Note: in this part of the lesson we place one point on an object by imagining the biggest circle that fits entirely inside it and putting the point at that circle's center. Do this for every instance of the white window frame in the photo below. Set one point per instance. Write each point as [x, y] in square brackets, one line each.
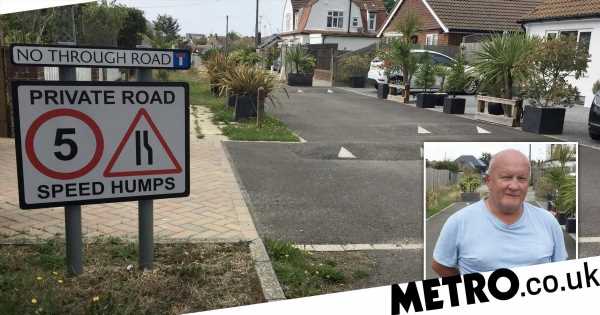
[579, 31]
[372, 23]
[355, 21]
[431, 39]
[335, 19]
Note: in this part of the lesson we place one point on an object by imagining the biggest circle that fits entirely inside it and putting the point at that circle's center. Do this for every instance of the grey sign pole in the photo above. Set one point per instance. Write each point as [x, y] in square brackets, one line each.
[145, 207]
[72, 213]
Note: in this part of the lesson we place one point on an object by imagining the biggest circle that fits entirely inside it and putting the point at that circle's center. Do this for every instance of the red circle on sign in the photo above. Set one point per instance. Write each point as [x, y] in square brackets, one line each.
[70, 113]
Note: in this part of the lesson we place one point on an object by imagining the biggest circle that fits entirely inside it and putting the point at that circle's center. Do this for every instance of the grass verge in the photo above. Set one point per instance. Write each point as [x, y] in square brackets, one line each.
[186, 278]
[272, 129]
[441, 198]
[303, 273]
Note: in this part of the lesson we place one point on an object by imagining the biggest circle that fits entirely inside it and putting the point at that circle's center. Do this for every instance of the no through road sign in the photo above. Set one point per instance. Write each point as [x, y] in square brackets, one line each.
[85, 142]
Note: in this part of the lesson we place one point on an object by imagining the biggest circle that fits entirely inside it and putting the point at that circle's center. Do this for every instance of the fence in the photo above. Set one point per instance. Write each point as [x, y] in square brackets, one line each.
[435, 179]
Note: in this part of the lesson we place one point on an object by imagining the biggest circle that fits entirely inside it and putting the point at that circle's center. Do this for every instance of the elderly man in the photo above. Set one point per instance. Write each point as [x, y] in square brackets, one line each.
[501, 231]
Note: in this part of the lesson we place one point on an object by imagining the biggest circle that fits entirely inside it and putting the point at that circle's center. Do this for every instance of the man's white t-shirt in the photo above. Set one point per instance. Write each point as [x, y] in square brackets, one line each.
[475, 240]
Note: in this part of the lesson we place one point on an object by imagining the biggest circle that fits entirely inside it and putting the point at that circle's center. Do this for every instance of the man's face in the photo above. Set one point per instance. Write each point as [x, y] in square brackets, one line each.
[508, 182]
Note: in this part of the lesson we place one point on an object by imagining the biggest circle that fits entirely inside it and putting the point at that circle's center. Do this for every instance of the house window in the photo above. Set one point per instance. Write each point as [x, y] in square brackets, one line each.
[431, 40]
[335, 19]
[354, 22]
[584, 40]
[582, 37]
[551, 35]
[372, 21]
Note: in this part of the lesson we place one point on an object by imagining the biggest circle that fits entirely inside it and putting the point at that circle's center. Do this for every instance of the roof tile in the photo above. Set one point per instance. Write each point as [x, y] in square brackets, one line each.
[553, 9]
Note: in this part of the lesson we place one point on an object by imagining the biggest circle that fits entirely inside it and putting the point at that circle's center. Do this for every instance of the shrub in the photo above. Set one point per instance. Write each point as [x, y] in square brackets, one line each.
[245, 56]
[245, 80]
[552, 61]
[355, 66]
[425, 75]
[299, 60]
[469, 182]
[565, 201]
[457, 79]
[217, 65]
[445, 165]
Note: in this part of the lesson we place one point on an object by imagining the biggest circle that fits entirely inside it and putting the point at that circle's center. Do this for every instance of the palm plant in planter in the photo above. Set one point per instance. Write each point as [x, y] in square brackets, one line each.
[301, 65]
[217, 64]
[547, 88]
[565, 202]
[457, 80]
[468, 186]
[425, 77]
[244, 81]
[355, 68]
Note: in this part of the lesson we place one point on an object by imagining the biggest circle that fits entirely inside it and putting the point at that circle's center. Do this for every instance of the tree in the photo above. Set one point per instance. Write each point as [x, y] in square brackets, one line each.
[101, 23]
[486, 157]
[389, 5]
[397, 55]
[233, 36]
[501, 60]
[425, 75]
[551, 63]
[134, 26]
[167, 26]
[457, 79]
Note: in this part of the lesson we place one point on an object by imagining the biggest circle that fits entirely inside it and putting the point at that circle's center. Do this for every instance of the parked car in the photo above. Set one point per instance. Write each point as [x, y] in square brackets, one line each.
[378, 76]
[594, 118]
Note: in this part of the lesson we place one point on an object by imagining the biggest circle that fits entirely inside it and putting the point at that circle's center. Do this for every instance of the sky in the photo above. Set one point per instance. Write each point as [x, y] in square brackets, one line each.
[439, 151]
[208, 16]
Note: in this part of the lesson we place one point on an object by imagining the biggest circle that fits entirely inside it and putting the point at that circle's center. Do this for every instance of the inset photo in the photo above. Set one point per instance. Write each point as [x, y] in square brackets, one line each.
[491, 205]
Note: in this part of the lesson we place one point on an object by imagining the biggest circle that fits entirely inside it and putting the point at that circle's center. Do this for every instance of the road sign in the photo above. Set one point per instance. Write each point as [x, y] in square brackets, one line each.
[86, 142]
[82, 56]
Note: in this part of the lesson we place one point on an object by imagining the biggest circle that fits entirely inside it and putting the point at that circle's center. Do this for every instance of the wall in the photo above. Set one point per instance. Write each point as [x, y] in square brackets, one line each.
[318, 15]
[429, 23]
[350, 43]
[584, 84]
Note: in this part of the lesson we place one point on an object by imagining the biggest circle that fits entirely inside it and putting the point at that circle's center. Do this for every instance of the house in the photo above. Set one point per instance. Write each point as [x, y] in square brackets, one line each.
[469, 162]
[446, 22]
[351, 24]
[580, 18]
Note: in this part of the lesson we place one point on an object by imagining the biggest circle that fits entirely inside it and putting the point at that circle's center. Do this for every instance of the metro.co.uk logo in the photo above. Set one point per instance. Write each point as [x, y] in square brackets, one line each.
[501, 285]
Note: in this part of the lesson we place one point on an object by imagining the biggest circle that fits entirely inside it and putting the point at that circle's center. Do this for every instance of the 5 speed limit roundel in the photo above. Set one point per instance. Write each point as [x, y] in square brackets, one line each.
[81, 143]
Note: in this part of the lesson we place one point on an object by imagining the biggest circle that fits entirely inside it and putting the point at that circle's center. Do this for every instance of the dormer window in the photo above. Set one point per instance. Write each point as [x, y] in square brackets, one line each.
[372, 21]
[335, 19]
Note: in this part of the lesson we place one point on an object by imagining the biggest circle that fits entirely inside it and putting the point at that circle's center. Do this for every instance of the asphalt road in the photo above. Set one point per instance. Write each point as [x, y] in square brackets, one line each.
[306, 194]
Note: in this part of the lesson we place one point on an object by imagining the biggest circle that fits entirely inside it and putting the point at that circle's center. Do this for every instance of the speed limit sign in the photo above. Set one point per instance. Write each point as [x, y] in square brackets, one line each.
[86, 142]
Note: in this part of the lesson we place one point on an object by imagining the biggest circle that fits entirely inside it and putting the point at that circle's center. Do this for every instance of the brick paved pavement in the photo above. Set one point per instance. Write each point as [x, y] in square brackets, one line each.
[214, 211]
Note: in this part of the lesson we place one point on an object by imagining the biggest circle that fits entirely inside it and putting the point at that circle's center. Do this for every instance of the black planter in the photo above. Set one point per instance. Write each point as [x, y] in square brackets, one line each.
[470, 196]
[393, 90]
[439, 98]
[214, 90]
[454, 105]
[495, 109]
[358, 82]
[245, 107]
[544, 120]
[383, 90]
[427, 100]
[300, 79]
[231, 100]
[571, 225]
[562, 219]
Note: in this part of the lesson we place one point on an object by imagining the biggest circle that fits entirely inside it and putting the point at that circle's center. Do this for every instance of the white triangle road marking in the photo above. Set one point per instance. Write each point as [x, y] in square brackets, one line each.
[422, 130]
[345, 154]
[300, 91]
[481, 130]
[329, 91]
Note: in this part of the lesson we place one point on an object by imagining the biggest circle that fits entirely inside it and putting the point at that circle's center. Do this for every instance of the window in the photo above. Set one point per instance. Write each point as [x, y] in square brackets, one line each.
[584, 40]
[551, 35]
[335, 19]
[431, 40]
[583, 37]
[372, 21]
[354, 22]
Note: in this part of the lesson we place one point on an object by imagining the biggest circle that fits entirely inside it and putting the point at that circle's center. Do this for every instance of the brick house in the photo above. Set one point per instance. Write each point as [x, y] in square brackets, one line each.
[446, 22]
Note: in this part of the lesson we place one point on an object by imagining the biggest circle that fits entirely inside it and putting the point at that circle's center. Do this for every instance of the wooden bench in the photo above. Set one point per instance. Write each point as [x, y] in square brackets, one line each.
[511, 117]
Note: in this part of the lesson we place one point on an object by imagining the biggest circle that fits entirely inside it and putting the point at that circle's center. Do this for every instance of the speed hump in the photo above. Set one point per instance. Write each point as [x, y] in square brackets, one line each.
[86, 142]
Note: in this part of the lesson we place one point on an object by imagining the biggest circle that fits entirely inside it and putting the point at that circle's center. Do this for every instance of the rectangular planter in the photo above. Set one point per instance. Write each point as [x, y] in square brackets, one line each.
[543, 120]
[495, 109]
[393, 90]
[427, 100]
[454, 105]
[383, 90]
[300, 79]
[231, 100]
[245, 107]
[358, 82]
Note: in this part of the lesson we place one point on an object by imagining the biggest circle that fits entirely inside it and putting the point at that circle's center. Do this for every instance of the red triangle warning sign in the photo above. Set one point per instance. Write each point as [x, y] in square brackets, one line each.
[142, 151]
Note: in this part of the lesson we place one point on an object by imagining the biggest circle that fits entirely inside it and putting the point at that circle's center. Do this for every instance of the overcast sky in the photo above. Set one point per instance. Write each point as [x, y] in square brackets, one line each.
[439, 151]
[208, 16]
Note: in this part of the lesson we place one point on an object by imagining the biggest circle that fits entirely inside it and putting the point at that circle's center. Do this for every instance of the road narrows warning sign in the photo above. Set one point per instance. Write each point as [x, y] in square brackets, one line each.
[87, 142]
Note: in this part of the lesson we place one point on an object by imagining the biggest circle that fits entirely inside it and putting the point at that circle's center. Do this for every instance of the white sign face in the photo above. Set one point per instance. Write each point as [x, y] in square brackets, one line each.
[57, 55]
[90, 142]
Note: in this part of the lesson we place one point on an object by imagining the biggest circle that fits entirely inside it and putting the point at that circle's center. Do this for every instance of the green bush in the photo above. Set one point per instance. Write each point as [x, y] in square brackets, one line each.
[469, 182]
[299, 60]
[425, 76]
[355, 66]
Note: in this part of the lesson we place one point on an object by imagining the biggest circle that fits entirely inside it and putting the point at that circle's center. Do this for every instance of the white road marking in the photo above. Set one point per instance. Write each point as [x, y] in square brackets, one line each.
[329, 91]
[358, 247]
[481, 130]
[590, 239]
[302, 140]
[345, 154]
[300, 91]
[421, 130]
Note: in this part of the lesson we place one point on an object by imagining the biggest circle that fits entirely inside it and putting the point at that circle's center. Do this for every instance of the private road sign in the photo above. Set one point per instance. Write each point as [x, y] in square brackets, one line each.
[96, 142]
